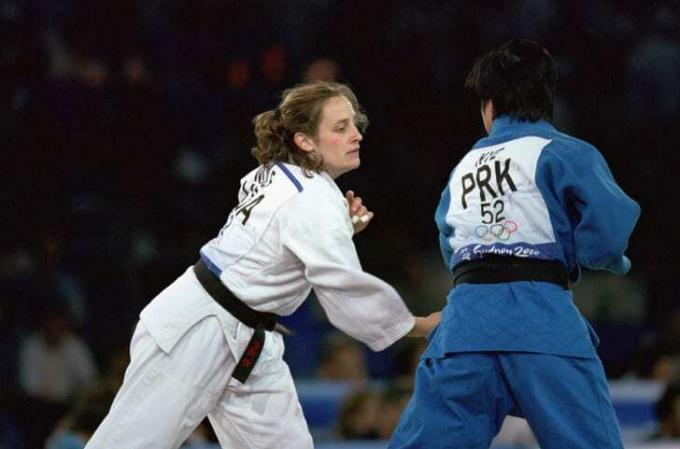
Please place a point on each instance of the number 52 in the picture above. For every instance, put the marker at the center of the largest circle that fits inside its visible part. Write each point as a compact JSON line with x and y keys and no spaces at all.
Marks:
{"x":488,"y":210}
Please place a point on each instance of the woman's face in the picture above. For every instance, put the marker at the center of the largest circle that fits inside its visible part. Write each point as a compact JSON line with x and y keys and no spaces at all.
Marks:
{"x":338,"y":137}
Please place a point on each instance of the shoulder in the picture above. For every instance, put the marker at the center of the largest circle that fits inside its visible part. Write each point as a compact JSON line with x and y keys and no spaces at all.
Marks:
{"x":311,"y":186}
{"x":278,"y":184}
{"x":305,"y":182}
{"x":568,"y":151}
{"x":317,"y":194}
{"x":569,"y":161}
{"x":568,"y":146}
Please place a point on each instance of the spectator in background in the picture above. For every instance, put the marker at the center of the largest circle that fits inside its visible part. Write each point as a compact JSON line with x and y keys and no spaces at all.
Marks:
{"x":342,"y":359}
{"x":667,"y":365}
{"x":369,"y":414}
{"x":273,"y":71}
{"x":392,"y":403}
{"x":657,"y":359}
{"x":75,"y":429}
{"x":54,"y":365}
{"x":322,"y":70}
{"x":54,"y":362}
{"x":238,"y":74}
{"x":668,"y":412}
{"x":359,"y":416}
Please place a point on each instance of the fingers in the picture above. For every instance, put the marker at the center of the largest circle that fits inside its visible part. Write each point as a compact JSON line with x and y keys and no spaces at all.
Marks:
{"x":364,"y":217}
{"x":355,"y":203}
{"x":359,"y":214}
{"x":356,"y":206}
{"x":351,"y":200}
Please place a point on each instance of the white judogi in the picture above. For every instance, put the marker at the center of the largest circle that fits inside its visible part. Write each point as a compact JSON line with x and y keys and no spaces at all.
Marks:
{"x":290,"y":233}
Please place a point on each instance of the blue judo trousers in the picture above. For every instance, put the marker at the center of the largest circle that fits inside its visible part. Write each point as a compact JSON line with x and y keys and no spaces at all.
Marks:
{"x":521,"y":347}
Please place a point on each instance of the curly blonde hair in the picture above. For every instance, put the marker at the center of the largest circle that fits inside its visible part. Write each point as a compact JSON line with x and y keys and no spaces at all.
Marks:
{"x":299,"y":111}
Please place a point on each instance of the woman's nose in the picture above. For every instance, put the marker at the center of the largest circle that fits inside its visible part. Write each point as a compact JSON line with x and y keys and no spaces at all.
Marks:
{"x":357,"y":137}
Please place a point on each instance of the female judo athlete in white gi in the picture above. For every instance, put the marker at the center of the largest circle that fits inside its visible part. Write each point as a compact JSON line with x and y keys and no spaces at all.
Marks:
{"x":206,"y":345}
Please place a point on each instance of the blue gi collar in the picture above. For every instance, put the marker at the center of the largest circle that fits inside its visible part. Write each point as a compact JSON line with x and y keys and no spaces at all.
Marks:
{"x":504,"y":127}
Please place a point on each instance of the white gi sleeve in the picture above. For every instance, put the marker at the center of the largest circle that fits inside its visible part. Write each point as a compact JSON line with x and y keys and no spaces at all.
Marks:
{"x":357,"y":303}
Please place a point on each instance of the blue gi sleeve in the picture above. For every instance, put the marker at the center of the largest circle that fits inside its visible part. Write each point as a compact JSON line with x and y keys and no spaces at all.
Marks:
{"x":445,"y":230}
{"x":600,"y":214}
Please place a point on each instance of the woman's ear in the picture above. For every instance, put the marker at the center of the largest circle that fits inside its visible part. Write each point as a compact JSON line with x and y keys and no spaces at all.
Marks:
{"x":304,"y":142}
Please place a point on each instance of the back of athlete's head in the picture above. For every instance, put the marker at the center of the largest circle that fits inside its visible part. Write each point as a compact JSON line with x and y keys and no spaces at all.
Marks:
{"x":300,"y":110}
{"x":519,"y":77}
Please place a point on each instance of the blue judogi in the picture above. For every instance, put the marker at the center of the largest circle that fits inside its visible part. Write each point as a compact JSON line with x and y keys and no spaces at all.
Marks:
{"x":521,"y":348}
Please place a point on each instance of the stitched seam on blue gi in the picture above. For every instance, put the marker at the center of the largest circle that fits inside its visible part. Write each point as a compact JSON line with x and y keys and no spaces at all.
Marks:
{"x":516,"y":409}
{"x":292,"y":178}
{"x":455,"y":406}
{"x":592,"y":382}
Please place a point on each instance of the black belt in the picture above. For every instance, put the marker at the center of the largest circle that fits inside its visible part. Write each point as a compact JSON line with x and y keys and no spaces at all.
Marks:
{"x":260,"y":321}
{"x":496,"y":269}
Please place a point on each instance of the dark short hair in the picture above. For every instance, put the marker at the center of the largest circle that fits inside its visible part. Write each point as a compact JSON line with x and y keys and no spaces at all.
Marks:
{"x":519,"y":77}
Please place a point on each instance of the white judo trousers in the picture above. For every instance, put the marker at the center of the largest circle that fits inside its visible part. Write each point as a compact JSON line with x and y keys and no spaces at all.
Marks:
{"x":166,"y":394}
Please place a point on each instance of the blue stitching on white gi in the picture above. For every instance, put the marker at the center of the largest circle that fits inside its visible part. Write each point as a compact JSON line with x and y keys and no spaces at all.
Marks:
{"x":214,"y":269}
{"x":290,"y":176}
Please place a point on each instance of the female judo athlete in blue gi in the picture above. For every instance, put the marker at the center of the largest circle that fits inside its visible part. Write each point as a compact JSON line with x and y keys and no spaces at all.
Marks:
{"x":522,"y":211}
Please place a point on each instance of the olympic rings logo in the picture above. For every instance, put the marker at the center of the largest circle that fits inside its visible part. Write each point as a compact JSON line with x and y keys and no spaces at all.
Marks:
{"x":498,"y":231}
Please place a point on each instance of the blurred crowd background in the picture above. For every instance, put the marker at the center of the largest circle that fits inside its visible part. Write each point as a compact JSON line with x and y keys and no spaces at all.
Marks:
{"x":126,"y":126}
